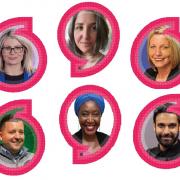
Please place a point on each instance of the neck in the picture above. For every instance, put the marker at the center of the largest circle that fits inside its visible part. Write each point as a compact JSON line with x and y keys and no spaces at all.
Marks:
{"x":92,"y":58}
{"x":13,"y":70}
{"x":163,"y":74}
{"x":92,"y":143}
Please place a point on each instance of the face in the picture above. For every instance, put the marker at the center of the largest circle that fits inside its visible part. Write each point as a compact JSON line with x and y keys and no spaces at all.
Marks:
{"x":167,"y":129}
{"x":85,"y":32}
{"x":160,"y":51}
{"x":12,"y":136}
{"x":12,"y":52}
{"x":89,"y":118}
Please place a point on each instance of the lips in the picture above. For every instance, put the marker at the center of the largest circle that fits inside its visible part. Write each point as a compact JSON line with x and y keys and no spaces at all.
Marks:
{"x":85,"y":43}
{"x":90,"y":127}
{"x":12,"y":58}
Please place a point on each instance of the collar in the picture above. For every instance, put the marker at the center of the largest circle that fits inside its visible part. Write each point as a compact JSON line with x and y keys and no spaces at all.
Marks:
{"x":5,"y":152}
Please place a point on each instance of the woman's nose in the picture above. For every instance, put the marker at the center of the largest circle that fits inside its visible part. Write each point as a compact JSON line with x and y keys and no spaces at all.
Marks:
{"x":158,"y":52}
{"x":90,"y":118}
{"x":86,"y":33}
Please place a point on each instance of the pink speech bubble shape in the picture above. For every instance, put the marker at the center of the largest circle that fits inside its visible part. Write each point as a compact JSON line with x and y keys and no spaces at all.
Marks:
{"x":75,"y":61}
{"x":138,"y":132}
{"x":24,"y":29}
{"x":26,"y":115}
{"x":78,"y":149}
{"x":173,"y":22}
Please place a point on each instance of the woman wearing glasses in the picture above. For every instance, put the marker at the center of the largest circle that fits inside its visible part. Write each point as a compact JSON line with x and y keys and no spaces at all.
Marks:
{"x":15,"y":58}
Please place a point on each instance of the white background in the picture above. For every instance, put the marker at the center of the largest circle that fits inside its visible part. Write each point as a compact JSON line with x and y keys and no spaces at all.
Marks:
{"x":122,"y":162}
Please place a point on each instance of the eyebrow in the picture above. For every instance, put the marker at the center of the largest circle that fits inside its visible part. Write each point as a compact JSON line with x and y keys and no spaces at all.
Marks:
{"x":81,"y":23}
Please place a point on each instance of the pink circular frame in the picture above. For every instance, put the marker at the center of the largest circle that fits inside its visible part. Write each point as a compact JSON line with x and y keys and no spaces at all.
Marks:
{"x":76,"y":61}
{"x":79,"y":148}
{"x":26,"y":31}
{"x":27,"y":116}
{"x":174,"y":23}
{"x":138,"y":131}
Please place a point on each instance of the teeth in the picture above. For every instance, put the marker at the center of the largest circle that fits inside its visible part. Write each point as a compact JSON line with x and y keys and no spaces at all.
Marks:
{"x":90,"y":127}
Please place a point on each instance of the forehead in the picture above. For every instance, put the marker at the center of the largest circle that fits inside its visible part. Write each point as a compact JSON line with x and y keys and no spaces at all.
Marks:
{"x":85,"y":16}
{"x":89,"y":105}
{"x":159,"y":38}
{"x":10,"y":41}
{"x":13,"y":125}
{"x":166,"y":118}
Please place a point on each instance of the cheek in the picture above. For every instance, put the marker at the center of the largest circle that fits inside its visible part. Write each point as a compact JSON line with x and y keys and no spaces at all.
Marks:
{"x":4,"y":56}
{"x":166,"y":53}
{"x":94,"y":37}
{"x":77,"y":37}
{"x":158,"y":131}
{"x":21,"y":56}
{"x":81,"y":120}
{"x":98,"y":120}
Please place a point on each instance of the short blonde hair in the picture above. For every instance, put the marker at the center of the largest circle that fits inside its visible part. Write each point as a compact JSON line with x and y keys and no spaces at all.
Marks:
{"x":174,"y":45}
{"x":27,"y":63}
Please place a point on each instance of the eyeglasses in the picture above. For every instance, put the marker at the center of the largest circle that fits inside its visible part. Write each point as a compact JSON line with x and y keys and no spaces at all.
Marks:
{"x":16,"y":49}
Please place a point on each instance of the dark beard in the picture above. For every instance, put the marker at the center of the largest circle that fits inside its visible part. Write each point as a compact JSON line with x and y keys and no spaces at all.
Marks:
{"x":170,"y":144}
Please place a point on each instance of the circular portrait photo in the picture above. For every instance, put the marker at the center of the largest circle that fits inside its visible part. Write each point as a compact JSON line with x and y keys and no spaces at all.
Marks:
{"x":18,"y":58}
{"x":18,"y":141}
{"x":160,"y":132}
{"x":155,"y":54}
{"x":163,"y":54}
{"x":87,"y":121}
{"x":88,"y":36}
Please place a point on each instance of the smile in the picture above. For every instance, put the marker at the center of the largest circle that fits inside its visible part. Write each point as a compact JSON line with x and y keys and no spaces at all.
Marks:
{"x":90,"y":127}
{"x":12,"y":58}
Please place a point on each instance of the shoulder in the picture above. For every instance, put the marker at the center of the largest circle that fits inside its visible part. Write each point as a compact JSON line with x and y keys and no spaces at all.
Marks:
{"x":102,"y":138}
{"x":27,"y":75}
{"x":174,"y":72}
{"x":78,"y":136}
{"x":153,"y":151}
{"x":151,"y":73}
{"x":2,"y":76}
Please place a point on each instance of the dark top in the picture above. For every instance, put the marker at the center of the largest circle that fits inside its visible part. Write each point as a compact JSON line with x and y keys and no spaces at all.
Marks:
{"x":15,"y":79}
{"x":151,"y":73}
{"x":102,"y":137}
{"x":170,"y":154}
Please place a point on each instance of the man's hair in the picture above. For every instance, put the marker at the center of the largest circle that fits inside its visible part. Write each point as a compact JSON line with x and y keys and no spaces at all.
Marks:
{"x":8,"y":118}
{"x":164,"y":109}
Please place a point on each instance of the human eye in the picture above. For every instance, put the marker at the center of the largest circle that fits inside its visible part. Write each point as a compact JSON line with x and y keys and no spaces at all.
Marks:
{"x":12,"y":132}
{"x":18,"y":48}
{"x":84,"y":113}
{"x":7,"y":48}
{"x":79,"y":27}
{"x":94,"y":28}
{"x":161,"y":125}
{"x":172,"y":125}
{"x":96,"y":114}
{"x":152,"y":46}
{"x":165,"y":47}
